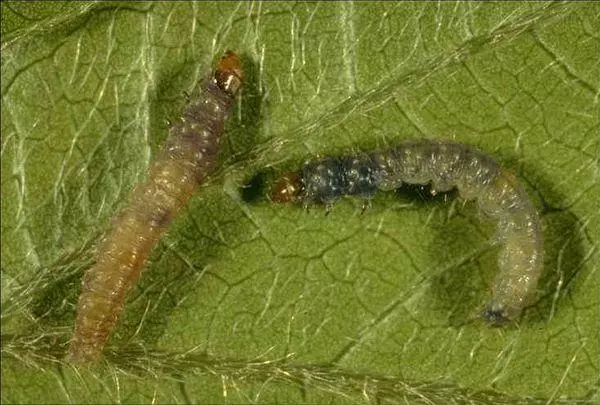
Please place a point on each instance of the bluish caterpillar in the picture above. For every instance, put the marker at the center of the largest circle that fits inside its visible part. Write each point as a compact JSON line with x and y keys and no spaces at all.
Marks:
{"x":444,"y":165}
{"x":187,"y":157}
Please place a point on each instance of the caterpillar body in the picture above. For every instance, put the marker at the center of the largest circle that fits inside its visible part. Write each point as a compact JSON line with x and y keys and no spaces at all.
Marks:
{"x":187,"y":157}
{"x":444,"y":165}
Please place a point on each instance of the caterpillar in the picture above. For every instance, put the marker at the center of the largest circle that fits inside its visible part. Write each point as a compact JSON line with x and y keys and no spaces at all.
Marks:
{"x":186,"y":158}
{"x":444,"y":165}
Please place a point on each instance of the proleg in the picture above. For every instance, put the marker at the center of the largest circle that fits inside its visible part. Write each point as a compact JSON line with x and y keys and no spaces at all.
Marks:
{"x":444,"y":165}
{"x":186,"y":159}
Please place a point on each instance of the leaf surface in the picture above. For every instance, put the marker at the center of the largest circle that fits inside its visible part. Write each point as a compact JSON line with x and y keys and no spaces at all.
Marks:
{"x":247,"y":301}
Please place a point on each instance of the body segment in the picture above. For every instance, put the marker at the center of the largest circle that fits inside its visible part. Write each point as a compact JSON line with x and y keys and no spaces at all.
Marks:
{"x":445,"y":165}
{"x":188,"y":156}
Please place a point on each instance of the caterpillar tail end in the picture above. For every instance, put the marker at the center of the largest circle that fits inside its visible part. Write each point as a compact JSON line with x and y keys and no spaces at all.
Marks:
{"x":495,"y":317}
{"x":499,"y":313}
{"x":81,"y":354}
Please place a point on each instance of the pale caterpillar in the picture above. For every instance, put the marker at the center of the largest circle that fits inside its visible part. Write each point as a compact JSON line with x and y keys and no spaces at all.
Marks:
{"x":185,"y":160}
{"x":444,"y":165}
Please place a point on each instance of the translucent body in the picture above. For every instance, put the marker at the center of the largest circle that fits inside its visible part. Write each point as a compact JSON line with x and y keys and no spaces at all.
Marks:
{"x":445,"y":165}
{"x":187,"y":157}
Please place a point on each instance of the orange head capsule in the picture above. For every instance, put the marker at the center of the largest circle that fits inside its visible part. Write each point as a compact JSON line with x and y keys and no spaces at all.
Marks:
{"x":229,"y":75}
{"x":288,"y":188}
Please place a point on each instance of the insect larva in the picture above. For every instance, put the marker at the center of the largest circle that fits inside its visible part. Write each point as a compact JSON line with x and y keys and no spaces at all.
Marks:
{"x":187,"y":157}
{"x":445,"y":165}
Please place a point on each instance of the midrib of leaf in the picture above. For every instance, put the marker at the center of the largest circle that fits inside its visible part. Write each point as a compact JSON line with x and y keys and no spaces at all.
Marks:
{"x":310,"y":379}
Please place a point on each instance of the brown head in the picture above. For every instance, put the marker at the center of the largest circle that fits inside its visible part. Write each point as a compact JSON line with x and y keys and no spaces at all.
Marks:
{"x":287,"y":188}
{"x":229,"y":75}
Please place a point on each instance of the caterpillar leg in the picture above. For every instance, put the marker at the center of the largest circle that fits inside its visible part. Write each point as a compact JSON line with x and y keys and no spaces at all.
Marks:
{"x":438,"y":187}
{"x":307,"y":206}
{"x":366,"y":204}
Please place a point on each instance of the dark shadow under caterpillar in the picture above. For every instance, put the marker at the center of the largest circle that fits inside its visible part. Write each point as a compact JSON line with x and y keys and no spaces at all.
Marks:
{"x":187,"y":157}
{"x":444,"y":165}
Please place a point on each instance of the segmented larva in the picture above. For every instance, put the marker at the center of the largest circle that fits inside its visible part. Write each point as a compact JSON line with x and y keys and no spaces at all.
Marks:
{"x":445,"y":165}
{"x":187,"y":157}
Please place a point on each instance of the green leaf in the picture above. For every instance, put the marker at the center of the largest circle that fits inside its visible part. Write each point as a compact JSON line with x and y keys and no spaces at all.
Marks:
{"x":247,"y":301}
